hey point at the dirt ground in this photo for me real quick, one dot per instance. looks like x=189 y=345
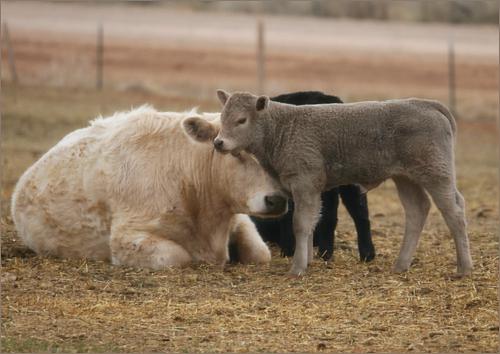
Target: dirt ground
x=347 y=306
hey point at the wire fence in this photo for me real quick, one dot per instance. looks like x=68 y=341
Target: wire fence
x=80 y=65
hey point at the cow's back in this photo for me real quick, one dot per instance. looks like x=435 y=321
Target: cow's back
x=149 y=157
x=55 y=205
x=133 y=162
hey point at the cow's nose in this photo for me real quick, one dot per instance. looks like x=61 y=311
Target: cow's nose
x=275 y=204
x=218 y=144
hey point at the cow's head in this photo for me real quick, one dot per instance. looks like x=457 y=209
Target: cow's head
x=239 y=118
x=241 y=180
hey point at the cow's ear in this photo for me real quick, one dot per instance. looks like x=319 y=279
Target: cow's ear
x=223 y=96
x=262 y=103
x=199 y=129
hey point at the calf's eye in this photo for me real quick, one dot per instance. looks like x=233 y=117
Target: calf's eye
x=241 y=121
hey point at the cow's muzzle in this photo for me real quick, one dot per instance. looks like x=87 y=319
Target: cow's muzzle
x=276 y=204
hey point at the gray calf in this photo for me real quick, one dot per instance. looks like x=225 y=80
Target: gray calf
x=314 y=148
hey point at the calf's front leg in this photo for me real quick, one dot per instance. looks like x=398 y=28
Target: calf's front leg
x=305 y=217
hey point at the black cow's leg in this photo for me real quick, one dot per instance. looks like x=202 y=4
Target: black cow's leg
x=269 y=229
x=357 y=206
x=287 y=238
x=325 y=229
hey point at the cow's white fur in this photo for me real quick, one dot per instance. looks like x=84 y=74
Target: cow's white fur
x=133 y=188
x=257 y=203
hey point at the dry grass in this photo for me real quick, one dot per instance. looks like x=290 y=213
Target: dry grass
x=350 y=307
x=74 y=305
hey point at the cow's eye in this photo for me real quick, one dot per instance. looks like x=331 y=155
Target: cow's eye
x=241 y=121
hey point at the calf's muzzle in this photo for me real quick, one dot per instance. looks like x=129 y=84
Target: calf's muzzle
x=218 y=144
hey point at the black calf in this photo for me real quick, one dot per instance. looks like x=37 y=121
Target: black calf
x=280 y=231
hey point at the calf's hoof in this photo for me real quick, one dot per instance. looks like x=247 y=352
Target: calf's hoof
x=367 y=255
x=463 y=272
x=296 y=272
x=325 y=255
x=399 y=269
x=294 y=276
x=457 y=275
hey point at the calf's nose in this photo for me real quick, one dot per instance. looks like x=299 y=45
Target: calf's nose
x=218 y=144
x=275 y=203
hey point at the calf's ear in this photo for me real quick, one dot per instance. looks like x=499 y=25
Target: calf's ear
x=223 y=96
x=199 y=129
x=262 y=103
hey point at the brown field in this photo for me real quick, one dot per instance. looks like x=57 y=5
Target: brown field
x=175 y=60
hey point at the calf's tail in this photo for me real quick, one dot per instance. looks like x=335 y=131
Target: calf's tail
x=446 y=112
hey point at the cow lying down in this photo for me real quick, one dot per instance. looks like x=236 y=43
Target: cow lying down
x=145 y=189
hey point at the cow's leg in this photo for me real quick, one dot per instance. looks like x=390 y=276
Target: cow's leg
x=416 y=205
x=305 y=216
x=142 y=249
x=246 y=243
x=324 y=232
x=451 y=204
x=287 y=238
x=357 y=205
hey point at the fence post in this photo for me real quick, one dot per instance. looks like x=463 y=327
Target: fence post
x=99 y=57
x=451 y=76
x=498 y=130
x=261 y=74
x=10 y=53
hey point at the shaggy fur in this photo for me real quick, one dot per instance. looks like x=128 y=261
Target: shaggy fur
x=313 y=148
x=281 y=231
x=144 y=189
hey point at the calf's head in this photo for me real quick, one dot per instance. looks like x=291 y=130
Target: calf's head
x=239 y=120
x=239 y=180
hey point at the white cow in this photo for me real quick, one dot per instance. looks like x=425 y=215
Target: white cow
x=145 y=188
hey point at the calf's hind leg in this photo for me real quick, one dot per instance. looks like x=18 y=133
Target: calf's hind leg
x=142 y=249
x=452 y=206
x=416 y=205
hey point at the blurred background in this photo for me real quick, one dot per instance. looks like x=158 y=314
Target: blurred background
x=358 y=49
